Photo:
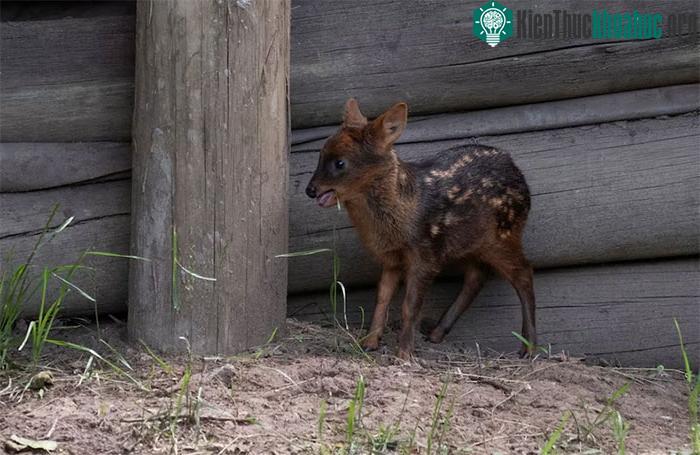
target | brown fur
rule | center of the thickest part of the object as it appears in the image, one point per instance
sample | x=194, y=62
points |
x=467, y=207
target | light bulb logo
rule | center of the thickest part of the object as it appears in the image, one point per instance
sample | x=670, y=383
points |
x=493, y=23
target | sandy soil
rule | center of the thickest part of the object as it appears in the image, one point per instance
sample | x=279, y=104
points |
x=294, y=395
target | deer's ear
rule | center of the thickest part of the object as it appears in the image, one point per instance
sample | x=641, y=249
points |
x=387, y=128
x=352, y=117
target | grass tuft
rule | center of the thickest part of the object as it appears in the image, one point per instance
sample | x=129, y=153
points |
x=18, y=287
x=354, y=419
x=620, y=430
x=92, y=352
x=693, y=383
x=550, y=446
x=439, y=424
x=529, y=345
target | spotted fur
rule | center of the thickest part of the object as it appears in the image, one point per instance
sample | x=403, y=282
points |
x=466, y=206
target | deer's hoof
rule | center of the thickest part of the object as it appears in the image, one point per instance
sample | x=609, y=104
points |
x=405, y=355
x=427, y=326
x=370, y=344
x=437, y=335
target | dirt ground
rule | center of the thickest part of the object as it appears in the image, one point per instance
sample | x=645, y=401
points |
x=294, y=395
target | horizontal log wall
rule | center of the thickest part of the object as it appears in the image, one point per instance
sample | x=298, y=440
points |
x=622, y=313
x=631, y=105
x=106, y=282
x=615, y=177
x=608, y=192
x=101, y=208
x=599, y=194
x=34, y=166
x=69, y=77
x=425, y=53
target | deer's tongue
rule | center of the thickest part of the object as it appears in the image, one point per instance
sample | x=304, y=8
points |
x=327, y=199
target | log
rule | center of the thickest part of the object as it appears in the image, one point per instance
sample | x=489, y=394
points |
x=30, y=10
x=105, y=281
x=624, y=190
x=70, y=77
x=601, y=193
x=587, y=110
x=210, y=174
x=36, y=166
x=26, y=213
x=622, y=313
x=100, y=223
x=67, y=79
x=426, y=54
x=79, y=162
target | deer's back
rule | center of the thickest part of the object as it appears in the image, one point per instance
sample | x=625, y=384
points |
x=470, y=196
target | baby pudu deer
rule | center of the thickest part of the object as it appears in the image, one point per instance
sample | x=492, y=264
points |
x=464, y=207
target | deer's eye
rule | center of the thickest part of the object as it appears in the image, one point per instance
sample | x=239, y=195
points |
x=339, y=164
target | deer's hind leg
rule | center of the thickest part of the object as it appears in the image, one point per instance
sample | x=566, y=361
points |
x=474, y=277
x=509, y=260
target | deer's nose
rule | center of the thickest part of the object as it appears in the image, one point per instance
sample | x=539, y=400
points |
x=311, y=191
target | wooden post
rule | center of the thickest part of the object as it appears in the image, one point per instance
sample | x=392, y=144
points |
x=210, y=171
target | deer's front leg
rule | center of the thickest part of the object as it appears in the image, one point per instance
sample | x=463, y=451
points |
x=418, y=281
x=385, y=291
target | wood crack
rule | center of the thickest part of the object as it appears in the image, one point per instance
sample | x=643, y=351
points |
x=73, y=224
x=119, y=176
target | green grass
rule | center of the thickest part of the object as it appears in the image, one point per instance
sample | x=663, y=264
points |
x=17, y=287
x=693, y=382
x=336, y=285
x=354, y=418
x=262, y=349
x=385, y=440
x=177, y=266
x=183, y=395
x=620, y=429
x=549, y=447
x=385, y=437
x=357, y=439
x=336, y=288
x=440, y=424
x=114, y=367
x=22, y=285
x=165, y=366
x=321, y=420
x=40, y=328
x=530, y=347
x=587, y=426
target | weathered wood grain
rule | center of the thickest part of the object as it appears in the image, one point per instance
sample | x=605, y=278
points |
x=100, y=223
x=425, y=53
x=27, y=212
x=79, y=162
x=106, y=282
x=624, y=190
x=33, y=166
x=71, y=78
x=622, y=313
x=609, y=192
x=67, y=79
x=210, y=173
x=587, y=110
x=30, y=10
